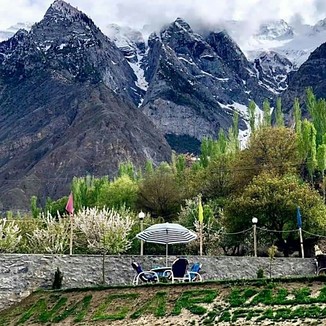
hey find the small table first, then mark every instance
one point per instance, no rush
(163, 272)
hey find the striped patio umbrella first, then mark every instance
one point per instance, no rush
(167, 233)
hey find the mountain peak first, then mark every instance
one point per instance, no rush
(63, 6)
(62, 9)
(181, 23)
(275, 30)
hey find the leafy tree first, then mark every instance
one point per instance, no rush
(34, 208)
(297, 116)
(317, 111)
(252, 115)
(55, 207)
(121, 191)
(235, 126)
(149, 168)
(321, 162)
(160, 194)
(216, 179)
(269, 149)
(309, 147)
(273, 200)
(127, 168)
(279, 117)
(267, 118)
(188, 217)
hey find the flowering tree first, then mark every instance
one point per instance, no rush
(105, 230)
(9, 235)
(52, 237)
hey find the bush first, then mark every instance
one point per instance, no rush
(58, 277)
(260, 273)
(105, 231)
(10, 235)
(52, 236)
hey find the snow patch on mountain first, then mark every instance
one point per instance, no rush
(132, 44)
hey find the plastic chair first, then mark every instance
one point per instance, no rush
(144, 276)
(193, 274)
(321, 264)
(178, 270)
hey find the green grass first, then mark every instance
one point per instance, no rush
(255, 300)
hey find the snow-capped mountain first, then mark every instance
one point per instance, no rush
(132, 45)
(275, 30)
(67, 108)
(294, 43)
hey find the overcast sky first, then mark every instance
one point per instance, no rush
(154, 13)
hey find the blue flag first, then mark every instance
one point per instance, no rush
(299, 220)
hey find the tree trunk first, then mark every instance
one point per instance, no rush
(323, 183)
(103, 268)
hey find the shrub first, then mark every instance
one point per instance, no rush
(260, 273)
(10, 235)
(52, 236)
(105, 231)
(58, 277)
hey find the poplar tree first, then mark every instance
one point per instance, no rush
(297, 116)
(279, 117)
(252, 116)
(267, 120)
(321, 161)
(309, 147)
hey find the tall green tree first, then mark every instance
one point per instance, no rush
(297, 116)
(252, 115)
(309, 147)
(321, 161)
(267, 118)
(160, 194)
(279, 117)
(273, 200)
(269, 149)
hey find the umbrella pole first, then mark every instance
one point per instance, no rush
(166, 254)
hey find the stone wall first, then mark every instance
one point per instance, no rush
(22, 274)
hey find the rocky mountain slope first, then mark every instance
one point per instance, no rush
(75, 101)
(193, 83)
(311, 74)
(66, 108)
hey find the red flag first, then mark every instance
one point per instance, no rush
(70, 204)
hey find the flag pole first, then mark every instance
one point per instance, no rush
(299, 223)
(200, 221)
(71, 233)
(70, 210)
(301, 242)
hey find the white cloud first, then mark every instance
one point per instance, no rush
(139, 13)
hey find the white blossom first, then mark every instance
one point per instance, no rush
(52, 237)
(105, 230)
(9, 235)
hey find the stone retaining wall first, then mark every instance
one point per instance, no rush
(22, 274)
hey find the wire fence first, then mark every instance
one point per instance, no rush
(221, 232)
